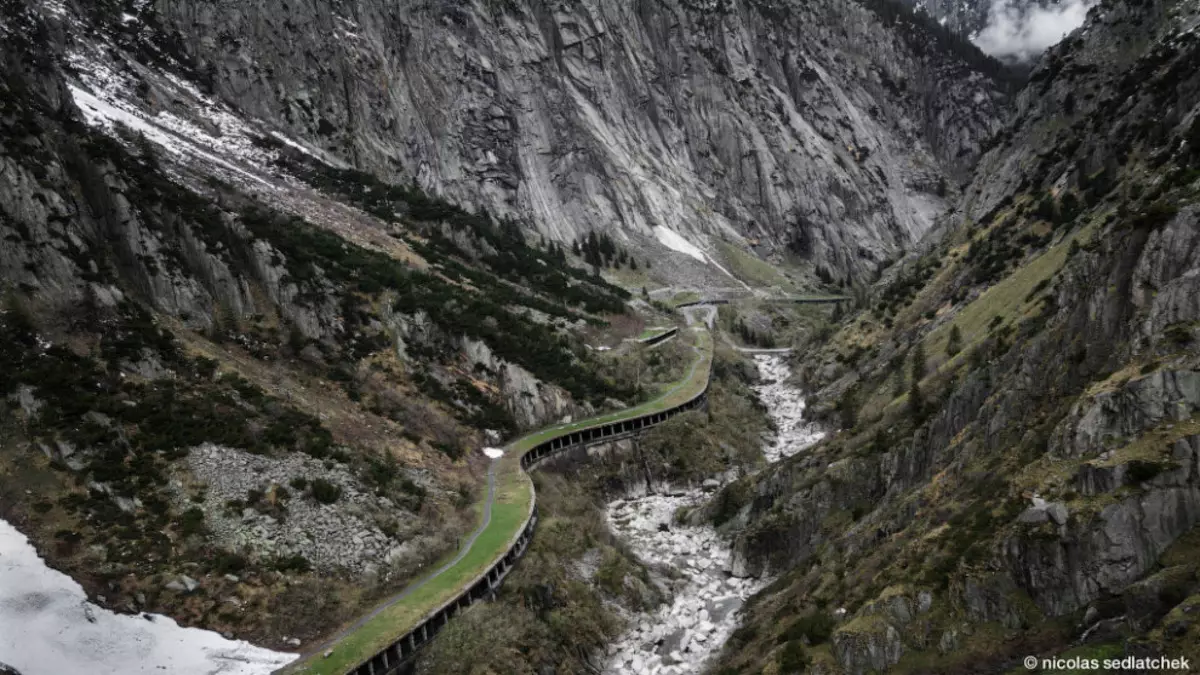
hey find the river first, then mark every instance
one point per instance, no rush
(683, 634)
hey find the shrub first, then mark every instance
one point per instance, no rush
(299, 483)
(229, 563)
(954, 343)
(729, 501)
(325, 492)
(453, 451)
(191, 522)
(817, 627)
(847, 408)
(1178, 334)
(793, 658)
(1140, 471)
(293, 563)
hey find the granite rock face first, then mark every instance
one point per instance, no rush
(802, 123)
(1049, 473)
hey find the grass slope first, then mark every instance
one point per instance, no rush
(512, 506)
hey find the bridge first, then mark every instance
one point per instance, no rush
(658, 338)
(384, 641)
(794, 299)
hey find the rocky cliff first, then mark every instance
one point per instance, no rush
(1015, 471)
(809, 124)
(235, 371)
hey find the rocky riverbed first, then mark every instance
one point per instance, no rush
(679, 637)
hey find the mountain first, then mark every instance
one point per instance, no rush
(1016, 471)
(231, 361)
(273, 272)
(681, 128)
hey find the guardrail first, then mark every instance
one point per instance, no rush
(390, 660)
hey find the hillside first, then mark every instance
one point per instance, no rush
(1016, 467)
(246, 385)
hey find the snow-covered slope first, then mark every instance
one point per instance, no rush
(48, 627)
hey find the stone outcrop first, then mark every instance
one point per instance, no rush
(1106, 554)
(1110, 419)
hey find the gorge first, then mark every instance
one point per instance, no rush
(293, 294)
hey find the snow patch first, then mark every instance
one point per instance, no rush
(105, 114)
(675, 241)
(47, 626)
(494, 453)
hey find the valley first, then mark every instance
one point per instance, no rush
(694, 337)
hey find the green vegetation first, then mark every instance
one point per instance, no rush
(752, 269)
(547, 616)
(509, 514)
(325, 492)
(751, 336)
(483, 314)
(1010, 298)
(925, 34)
(815, 627)
(652, 332)
(793, 658)
(600, 252)
(509, 256)
(954, 342)
(513, 502)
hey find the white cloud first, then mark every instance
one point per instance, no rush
(1013, 32)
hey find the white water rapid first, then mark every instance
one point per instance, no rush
(681, 636)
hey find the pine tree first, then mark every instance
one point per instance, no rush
(591, 251)
(898, 383)
(89, 307)
(847, 408)
(607, 249)
(645, 293)
(575, 248)
(916, 402)
(633, 264)
(918, 362)
(954, 343)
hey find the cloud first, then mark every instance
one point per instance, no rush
(1016, 33)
